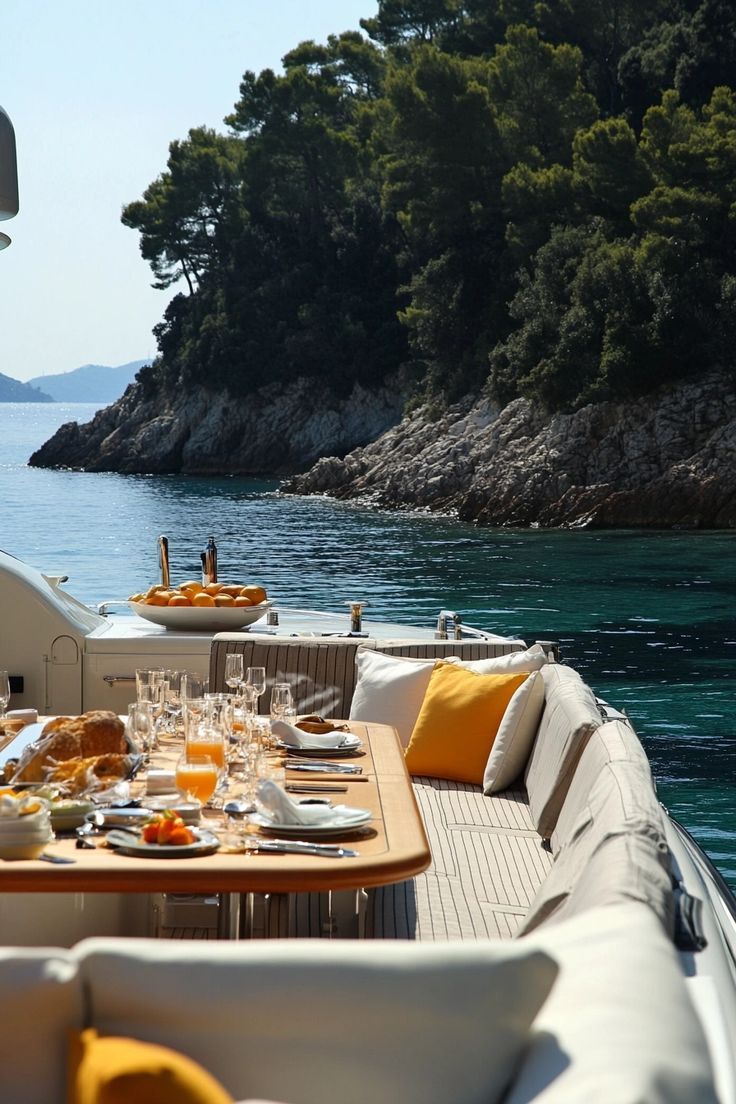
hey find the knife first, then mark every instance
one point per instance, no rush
(322, 766)
(318, 787)
(302, 847)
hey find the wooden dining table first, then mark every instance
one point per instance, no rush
(392, 847)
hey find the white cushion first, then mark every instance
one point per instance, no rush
(41, 1001)
(515, 735)
(319, 1022)
(530, 660)
(390, 690)
(618, 1026)
(615, 850)
(613, 742)
(569, 717)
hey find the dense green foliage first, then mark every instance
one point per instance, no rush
(531, 196)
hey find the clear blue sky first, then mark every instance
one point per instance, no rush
(96, 90)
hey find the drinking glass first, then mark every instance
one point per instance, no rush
(233, 670)
(218, 710)
(140, 726)
(148, 683)
(256, 677)
(207, 739)
(281, 700)
(172, 700)
(4, 692)
(210, 741)
(196, 777)
(192, 685)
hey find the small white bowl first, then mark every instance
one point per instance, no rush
(22, 850)
(68, 815)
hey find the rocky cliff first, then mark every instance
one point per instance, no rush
(276, 431)
(667, 460)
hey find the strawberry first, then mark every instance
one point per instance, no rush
(150, 832)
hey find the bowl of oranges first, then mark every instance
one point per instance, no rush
(200, 607)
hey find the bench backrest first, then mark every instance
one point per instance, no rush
(322, 672)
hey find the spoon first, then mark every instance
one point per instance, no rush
(236, 808)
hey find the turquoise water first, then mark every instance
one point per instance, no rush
(648, 618)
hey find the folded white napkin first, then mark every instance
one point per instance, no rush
(160, 781)
(296, 737)
(275, 803)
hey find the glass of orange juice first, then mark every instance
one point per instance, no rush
(196, 777)
(205, 741)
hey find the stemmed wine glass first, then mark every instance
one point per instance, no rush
(281, 700)
(4, 692)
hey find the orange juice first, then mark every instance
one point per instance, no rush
(210, 749)
(197, 778)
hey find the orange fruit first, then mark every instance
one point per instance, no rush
(242, 601)
(159, 598)
(190, 587)
(179, 600)
(256, 594)
(224, 600)
(213, 588)
(232, 590)
(203, 599)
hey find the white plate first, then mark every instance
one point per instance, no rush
(346, 823)
(113, 817)
(349, 746)
(189, 813)
(200, 618)
(129, 844)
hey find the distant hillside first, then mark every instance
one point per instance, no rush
(12, 390)
(94, 383)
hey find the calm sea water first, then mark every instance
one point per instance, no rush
(648, 618)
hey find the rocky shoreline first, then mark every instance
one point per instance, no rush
(667, 460)
(277, 431)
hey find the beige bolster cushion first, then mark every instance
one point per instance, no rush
(613, 742)
(615, 852)
(569, 718)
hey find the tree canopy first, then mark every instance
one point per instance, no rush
(528, 197)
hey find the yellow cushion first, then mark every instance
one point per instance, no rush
(113, 1070)
(457, 723)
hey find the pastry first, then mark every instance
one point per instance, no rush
(97, 733)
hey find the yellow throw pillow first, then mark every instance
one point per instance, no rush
(114, 1070)
(458, 722)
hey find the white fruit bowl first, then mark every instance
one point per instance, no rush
(201, 618)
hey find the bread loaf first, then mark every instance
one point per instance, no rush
(96, 733)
